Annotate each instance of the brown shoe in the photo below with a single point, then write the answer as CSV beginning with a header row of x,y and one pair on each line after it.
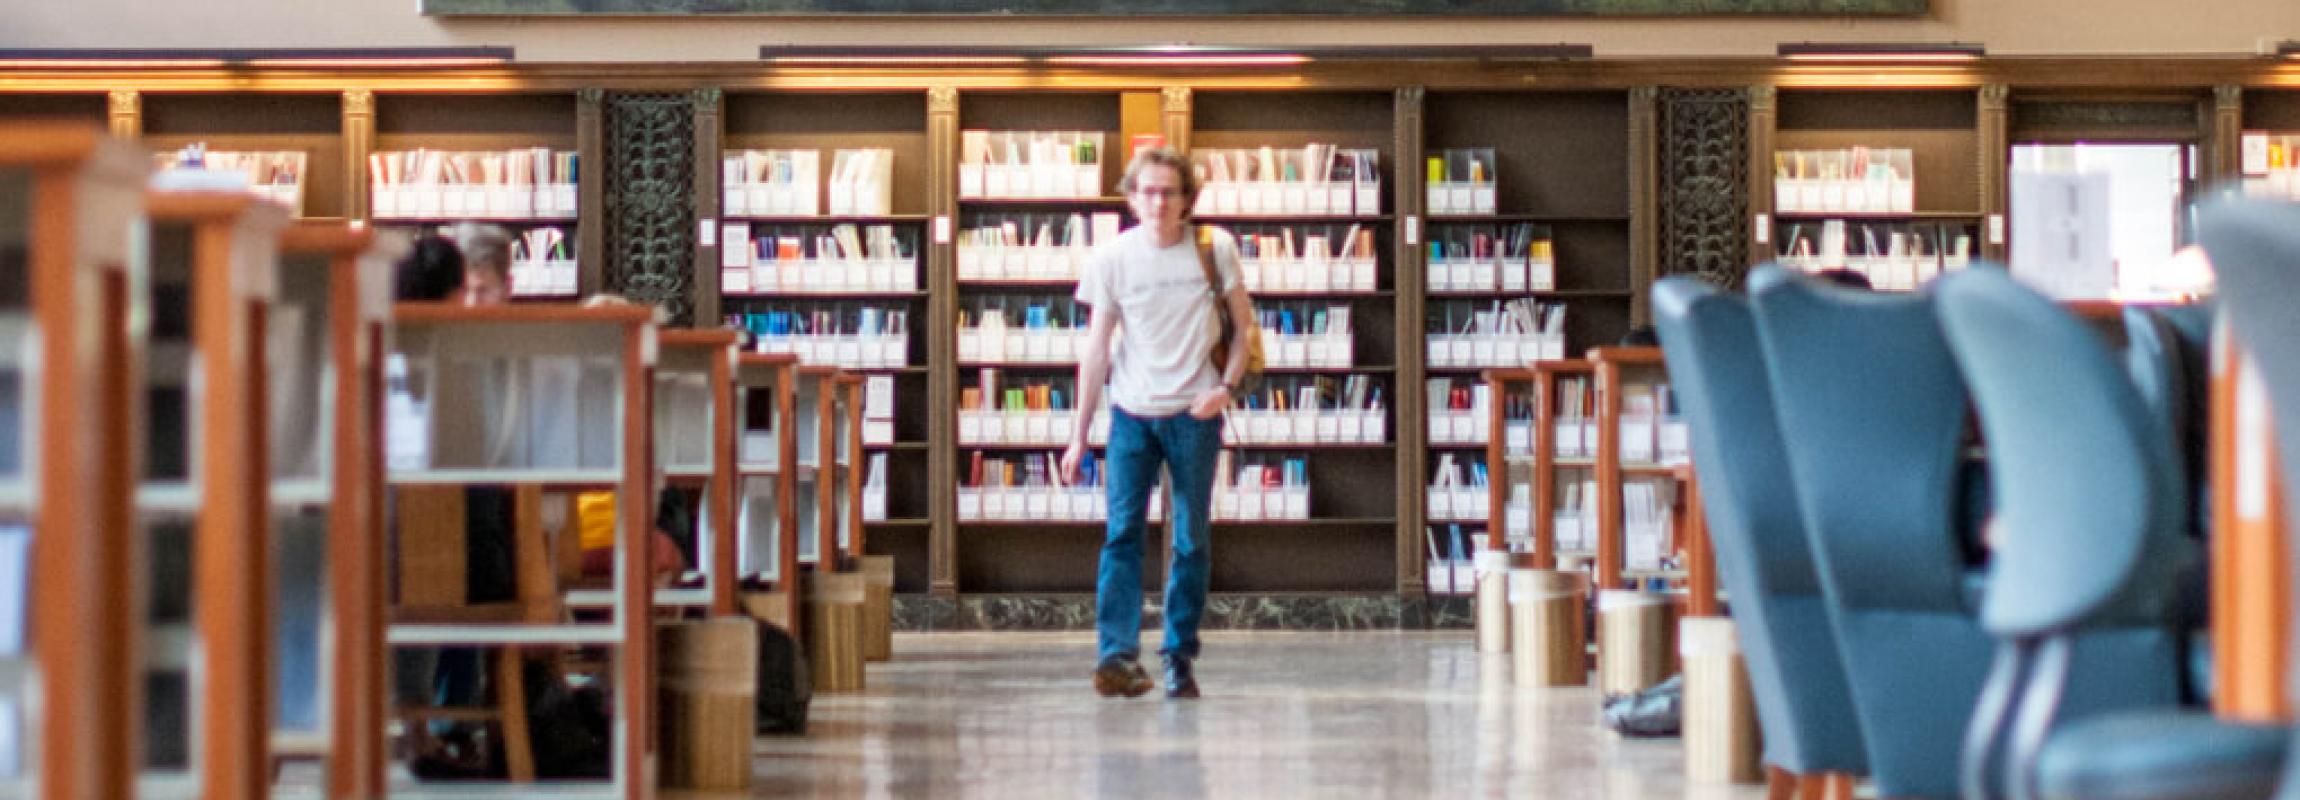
x,y
1121,677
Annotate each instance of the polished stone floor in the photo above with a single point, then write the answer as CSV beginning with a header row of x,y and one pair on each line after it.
x,y
1010,715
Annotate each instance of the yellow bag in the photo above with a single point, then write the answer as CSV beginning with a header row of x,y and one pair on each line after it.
x,y
595,520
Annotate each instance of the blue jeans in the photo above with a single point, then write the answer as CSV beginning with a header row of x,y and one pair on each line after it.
x,y
1187,447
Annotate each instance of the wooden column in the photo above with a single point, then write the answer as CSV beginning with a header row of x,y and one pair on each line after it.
x,y
710,131
358,144
1412,419
591,191
2222,160
942,341
1644,201
125,110
1175,102
1995,162
1764,118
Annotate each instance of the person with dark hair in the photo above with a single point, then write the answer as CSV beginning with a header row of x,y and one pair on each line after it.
x,y
1846,278
432,271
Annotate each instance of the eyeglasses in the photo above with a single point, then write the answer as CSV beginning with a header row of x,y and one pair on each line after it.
x,y
1168,192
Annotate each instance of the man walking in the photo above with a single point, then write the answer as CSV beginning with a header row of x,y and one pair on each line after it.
x,y
1158,289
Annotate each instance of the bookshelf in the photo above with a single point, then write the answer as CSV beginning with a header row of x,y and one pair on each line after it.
x,y
514,160
1025,229
876,223
335,285
212,255
1560,166
72,629
1892,184
1358,498
2269,142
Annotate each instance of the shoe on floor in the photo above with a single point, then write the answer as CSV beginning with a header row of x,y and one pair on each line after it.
x,y
1181,680
1120,677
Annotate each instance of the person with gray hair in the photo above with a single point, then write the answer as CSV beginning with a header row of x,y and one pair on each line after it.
x,y
486,263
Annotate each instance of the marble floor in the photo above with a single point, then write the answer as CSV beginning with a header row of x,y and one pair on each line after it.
x,y
1010,715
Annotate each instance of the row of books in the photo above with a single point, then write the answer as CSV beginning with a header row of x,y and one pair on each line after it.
x,y
1504,333
1299,335
791,182
839,259
1048,247
1030,164
842,335
1855,180
543,263
1458,490
1312,179
1261,487
1306,258
275,175
525,183
1461,181
1453,554
1507,258
1033,329
1894,257
1037,411
1460,410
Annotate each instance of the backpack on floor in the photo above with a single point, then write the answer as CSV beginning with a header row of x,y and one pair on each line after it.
x,y
785,688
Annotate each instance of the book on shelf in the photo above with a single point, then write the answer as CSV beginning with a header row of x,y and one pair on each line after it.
x,y
1305,258
874,489
1892,256
792,182
1250,487
1459,410
1854,180
1300,335
1032,247
1021,328
524,183
1308,410
1030,164
849,335
840,258
1461,181
1313,179
1502,333
1515,257
275,175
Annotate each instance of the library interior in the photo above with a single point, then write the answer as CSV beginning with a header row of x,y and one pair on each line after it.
x,y
1609,399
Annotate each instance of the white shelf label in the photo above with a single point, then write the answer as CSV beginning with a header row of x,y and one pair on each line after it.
x,y
1764,230
707,231
1996,229
942,229
1413,229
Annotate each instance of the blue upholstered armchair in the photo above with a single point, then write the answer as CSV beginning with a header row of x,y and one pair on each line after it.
x,y
1872,412
1795,673
2092,540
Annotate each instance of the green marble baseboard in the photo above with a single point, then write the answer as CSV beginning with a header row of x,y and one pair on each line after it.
x,y
1283,612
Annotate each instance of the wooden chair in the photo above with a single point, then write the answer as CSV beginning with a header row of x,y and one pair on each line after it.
x,y
432,530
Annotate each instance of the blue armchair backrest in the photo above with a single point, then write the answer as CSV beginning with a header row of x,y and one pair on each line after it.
x,y
1872,409
1710,341
2091,516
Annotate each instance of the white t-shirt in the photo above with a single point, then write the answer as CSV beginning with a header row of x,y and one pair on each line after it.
x,y
1167,325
